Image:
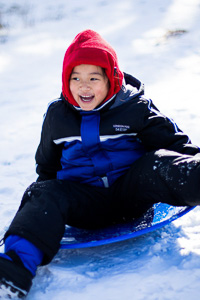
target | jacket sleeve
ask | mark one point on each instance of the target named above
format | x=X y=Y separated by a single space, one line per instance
x=48 y=153
x=159 y=132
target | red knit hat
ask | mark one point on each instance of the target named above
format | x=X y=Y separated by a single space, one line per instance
x=89 y=47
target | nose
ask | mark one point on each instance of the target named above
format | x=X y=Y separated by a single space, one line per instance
x=84 y=85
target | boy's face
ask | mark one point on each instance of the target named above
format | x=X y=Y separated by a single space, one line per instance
x=89 y=86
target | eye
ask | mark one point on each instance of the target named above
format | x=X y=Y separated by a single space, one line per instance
x=75 y=79
x=94 y=79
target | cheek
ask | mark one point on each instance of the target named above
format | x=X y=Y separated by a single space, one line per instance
x=72 y=88
x=105 y=89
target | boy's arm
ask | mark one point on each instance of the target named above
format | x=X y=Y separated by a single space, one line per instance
x=160 y=132
x=48 y=154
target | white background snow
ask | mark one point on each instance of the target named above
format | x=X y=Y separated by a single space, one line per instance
x=158 y=42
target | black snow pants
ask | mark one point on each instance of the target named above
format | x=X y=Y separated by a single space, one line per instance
x=161 y=176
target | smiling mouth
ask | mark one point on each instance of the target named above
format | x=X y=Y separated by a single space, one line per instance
x=86 y=98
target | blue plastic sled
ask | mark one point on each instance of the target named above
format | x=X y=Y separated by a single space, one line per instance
x=156 y=217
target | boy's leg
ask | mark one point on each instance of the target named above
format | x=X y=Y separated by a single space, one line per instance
x=47 y=206
x=34 y=235
x=161 y=176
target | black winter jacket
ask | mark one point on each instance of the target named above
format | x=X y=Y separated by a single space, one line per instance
x=98 y=146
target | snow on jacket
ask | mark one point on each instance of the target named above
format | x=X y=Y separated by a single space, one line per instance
x=98 y=146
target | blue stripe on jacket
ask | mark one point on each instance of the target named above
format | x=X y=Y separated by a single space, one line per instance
x=89 y=160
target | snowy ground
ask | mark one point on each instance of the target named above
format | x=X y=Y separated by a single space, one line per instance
x=158 y=42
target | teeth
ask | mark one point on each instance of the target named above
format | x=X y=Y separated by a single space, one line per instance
x=86 y=98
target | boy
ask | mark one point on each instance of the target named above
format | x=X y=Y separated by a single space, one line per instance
x=106 y=155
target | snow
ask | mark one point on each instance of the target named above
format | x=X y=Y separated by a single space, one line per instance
x=156 y=41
